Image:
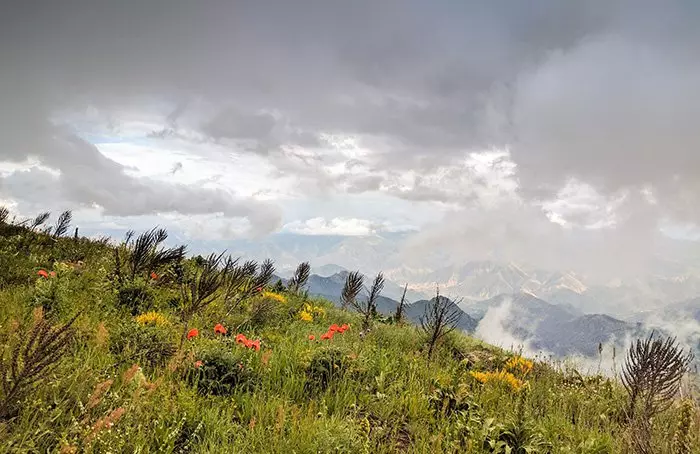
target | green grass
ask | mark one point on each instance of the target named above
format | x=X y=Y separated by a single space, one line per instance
x=376 y=394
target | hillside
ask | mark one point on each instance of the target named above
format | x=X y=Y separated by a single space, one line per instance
x=134 y=347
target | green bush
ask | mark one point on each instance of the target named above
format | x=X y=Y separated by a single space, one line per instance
x=136 y=297
x=222 y=372
x=148 y=345
x=326 y=366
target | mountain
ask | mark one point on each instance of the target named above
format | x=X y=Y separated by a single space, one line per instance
x=549 y=327
x=331 y=288
x=415 y=311
x=526 y=310
x=482 y=280
x=583 y=334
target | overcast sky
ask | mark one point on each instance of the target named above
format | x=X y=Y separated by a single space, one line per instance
x=559 y=132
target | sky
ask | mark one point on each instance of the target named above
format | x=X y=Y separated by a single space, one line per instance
x=560 y=133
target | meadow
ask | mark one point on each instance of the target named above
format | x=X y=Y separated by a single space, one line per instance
x=130 y=346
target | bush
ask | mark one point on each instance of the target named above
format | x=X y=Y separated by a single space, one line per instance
x=325 y=367
x=222 y=372
x=137 y=298
x=149 y=345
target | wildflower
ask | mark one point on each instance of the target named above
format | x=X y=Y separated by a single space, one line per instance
x=241 y=339
x=328 y=335
x=259 y=289
x=220 y=329
x=194 y=332
x=275 y=296
x=43 y=273
x=344 y=327
x=105 y=423
x=312 y=337
x=152 y=318
x=306 y=316
x=198 y=364
x=130 y=373
x=266 y=357
x=97 y=394
x=255 y=345
x=154 y=276
x=519 y=364
x=333 y=327
x=52 y=274
x=500 y=376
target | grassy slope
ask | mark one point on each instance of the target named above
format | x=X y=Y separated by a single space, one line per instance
x=383 y=396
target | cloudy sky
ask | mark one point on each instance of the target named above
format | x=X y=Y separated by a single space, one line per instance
x=558 y=132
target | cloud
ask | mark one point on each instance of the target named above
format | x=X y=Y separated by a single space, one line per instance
x=593 y=102
x=341 y=226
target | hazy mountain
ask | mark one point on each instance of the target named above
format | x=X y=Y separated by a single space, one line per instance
x=582 y=335
x=415 y=311
x=331 y=288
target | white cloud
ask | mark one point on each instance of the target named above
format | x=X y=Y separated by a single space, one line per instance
x=341 y=226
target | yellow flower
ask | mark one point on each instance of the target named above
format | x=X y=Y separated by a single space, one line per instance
x=518 y=364
x=306 y=316
x=152 y=318
x=275 y=296
x=499 y=377
x=314 y=310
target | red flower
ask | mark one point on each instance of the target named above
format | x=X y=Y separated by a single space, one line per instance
x=333 y=328
x=198 y=364
x=241 y=339
x=255 y=345
x=194 y=332
x=259 y=289
x=219 y=329
x=327 y=335
x=312 y=337
x=43 y=274
x=52 y=274
x=154 y=275
x=345 y=327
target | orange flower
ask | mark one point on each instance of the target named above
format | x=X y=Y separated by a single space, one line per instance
x=259 y=289
x=333 y=328
x=241 y=339
x=327 y=335
x=219 y=329
x=312 y=337
x=255 y=345
x=43 y=274
x=345 y=327
x=154 y=275
x=198 y=364
x=52 y=274
x=194 y=332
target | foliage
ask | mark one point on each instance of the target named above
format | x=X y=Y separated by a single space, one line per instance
x=440 y=318
x=222 y=372
x=326 y=366
x=150 y=345
x=368 y=307
x=300 y=277
x=32 y=358
x=351 y=288
x=300 y=378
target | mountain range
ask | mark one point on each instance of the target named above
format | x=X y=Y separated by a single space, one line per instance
x=560 y=329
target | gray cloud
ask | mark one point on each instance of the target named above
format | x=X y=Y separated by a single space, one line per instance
x=603 y=91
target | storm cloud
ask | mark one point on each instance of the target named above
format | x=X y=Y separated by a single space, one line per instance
x=603 y=93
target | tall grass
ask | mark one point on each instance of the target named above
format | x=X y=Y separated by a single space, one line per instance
x=375 y=394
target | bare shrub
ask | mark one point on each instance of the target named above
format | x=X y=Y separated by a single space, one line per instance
x=652 y=376
x=351 y=288
x=32 y=358
x=441 y=317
